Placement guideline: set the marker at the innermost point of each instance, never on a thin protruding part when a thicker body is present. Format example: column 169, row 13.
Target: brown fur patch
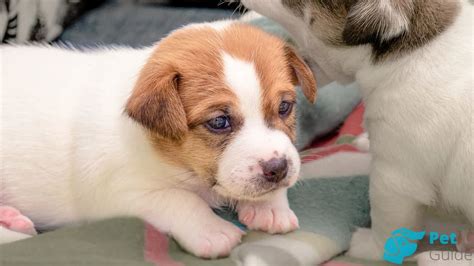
column 155, row 102
column 200, row 93
column 326, row 18
column 427, row 19
column 329, row 21
column 430, row 18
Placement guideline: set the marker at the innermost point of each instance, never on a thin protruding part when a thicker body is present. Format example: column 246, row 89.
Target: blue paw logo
column 399, row 245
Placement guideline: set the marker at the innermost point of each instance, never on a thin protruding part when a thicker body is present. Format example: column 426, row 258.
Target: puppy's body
column 56, row 129
column 125, row 132
column 413, row 61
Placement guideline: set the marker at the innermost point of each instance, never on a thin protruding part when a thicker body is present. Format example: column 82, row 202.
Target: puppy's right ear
column 155, row 102
column 302, row 74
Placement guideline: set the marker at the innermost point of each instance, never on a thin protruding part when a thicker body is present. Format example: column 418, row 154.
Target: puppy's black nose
column 275, row 169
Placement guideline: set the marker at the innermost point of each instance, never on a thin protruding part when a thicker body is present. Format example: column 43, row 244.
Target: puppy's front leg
column 273, row 215
column 189, row 219
column 390, row 209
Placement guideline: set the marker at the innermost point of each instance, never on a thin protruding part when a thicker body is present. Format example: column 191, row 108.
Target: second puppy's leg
column 390, row 209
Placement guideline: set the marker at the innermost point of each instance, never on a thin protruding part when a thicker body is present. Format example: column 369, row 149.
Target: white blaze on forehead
column 243, row 80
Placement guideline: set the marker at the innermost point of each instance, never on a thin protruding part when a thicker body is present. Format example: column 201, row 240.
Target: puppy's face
column 220, row 102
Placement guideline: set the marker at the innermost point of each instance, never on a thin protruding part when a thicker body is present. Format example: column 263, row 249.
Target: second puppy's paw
column 363, row 245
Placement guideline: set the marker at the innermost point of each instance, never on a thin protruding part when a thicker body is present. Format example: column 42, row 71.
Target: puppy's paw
column 363, row 245
column 268, row 218
column 210, row 240
column 13, row 220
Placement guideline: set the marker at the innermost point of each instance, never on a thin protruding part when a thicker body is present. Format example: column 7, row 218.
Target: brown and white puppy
column 204, row 118
column 413, row 61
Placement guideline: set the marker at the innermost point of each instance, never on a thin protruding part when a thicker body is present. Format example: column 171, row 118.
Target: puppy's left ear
column 302, row 74
column 376, row 21
column 155, row 102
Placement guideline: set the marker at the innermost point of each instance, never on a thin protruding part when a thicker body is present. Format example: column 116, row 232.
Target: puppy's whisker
column 238, row 8
column 235, row 10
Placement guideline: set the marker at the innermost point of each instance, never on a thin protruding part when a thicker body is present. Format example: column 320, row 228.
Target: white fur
column 337, row 165
column 419, row 117
column 70, row 154
column 243, row 80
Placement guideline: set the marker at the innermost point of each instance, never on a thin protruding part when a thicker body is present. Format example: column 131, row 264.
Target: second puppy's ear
column 376, row 21
column 155, row 102
column 302, row 74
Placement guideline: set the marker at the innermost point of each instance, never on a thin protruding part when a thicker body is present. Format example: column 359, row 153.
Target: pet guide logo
column 403, row 244
column 399, row 245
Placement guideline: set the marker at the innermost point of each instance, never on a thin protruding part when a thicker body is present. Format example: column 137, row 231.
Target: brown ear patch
column 392, row 27
column 374, row 21
column 155, row 102
column 302, row 74
column 412, row 24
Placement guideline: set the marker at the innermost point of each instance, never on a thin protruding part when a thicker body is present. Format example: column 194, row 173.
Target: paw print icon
column 401, row 244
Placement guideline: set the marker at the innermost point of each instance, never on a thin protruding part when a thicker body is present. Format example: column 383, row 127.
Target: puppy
column 413, row 60
column 204, row 118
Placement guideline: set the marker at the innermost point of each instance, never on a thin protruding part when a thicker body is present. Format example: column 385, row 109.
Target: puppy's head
column 391, row 27
column 219, row 100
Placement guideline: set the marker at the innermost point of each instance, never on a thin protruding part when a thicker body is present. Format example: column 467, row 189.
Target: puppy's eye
column 285, row 108
column 220, row 124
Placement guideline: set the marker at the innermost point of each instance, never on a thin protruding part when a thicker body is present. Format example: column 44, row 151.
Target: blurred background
column 92, row 23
